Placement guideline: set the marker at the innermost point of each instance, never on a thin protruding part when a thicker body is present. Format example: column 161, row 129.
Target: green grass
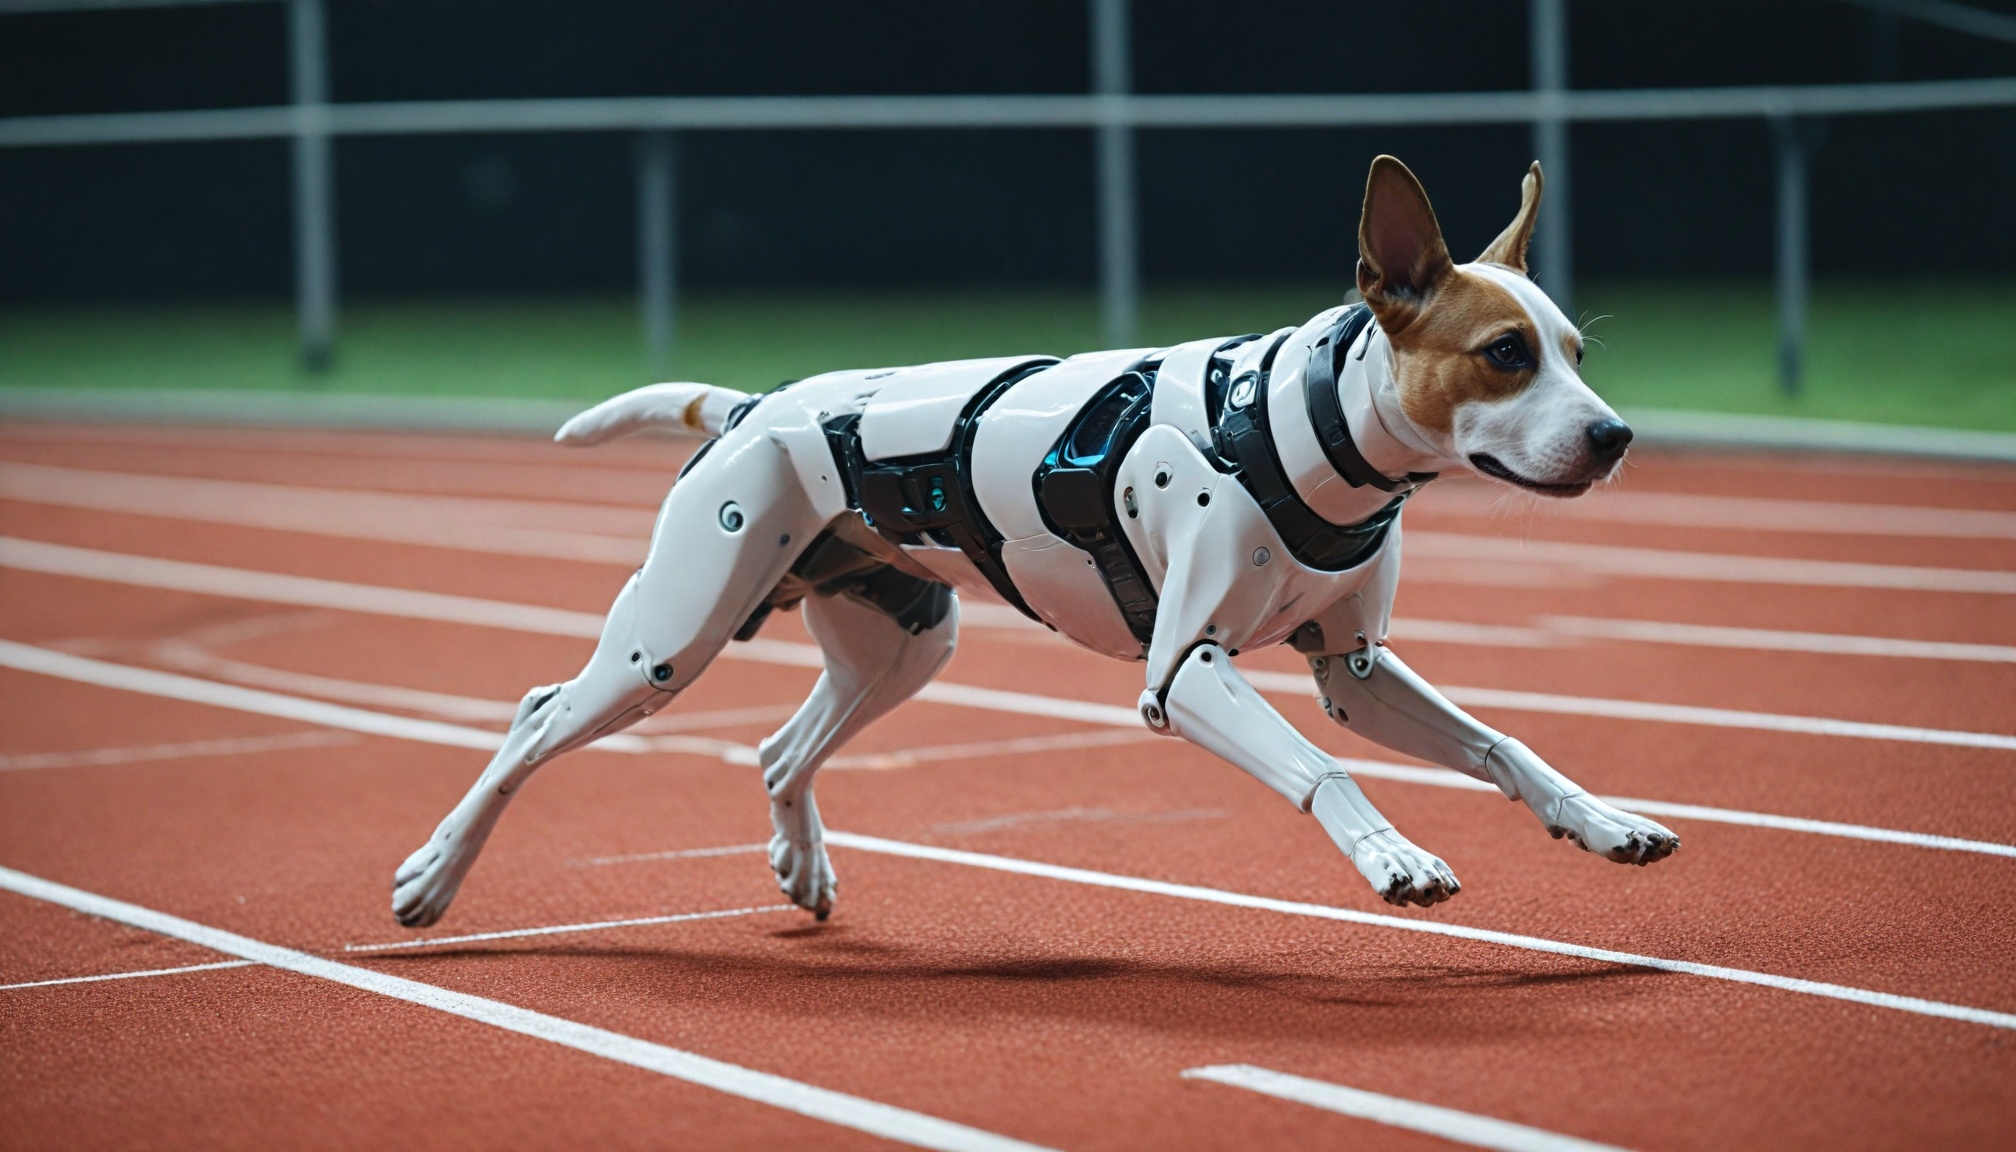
column 1916, row 355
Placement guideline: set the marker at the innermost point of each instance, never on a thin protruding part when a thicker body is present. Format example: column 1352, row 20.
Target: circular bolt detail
column 731, row 516
column 1203, row 499
column 1161, row 479
column 1261, row 556
column 661, row 673
column 636, row 656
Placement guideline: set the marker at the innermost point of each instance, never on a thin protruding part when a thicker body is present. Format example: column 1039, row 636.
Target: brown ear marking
column 1401, row 254
column 1509, row 248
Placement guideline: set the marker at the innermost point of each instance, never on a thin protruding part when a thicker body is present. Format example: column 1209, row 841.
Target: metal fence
column 1110, row 111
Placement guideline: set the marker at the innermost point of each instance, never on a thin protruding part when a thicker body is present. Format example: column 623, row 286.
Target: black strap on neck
column 1326, row 410
column 1311, row 539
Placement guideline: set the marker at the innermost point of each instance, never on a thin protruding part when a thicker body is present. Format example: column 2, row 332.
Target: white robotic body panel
column 914, row 410
column 1368, row 369
column 1162, row 449
column 1366, row 609
column 1179, row 390
column 1023, row 425
column 1060, row 584
column 804, row 442
column 731, row 517
column 951, row 566
column 1223, row 574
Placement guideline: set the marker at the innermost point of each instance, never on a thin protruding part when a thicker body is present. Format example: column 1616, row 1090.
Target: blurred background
column 1765, row 206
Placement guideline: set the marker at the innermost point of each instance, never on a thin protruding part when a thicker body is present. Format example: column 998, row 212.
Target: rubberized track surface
column 1053, row 1007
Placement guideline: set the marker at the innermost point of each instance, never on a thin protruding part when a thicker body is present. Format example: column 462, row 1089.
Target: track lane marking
column 206, row 579
column 1765, row 639
column 1089, row 877
column 1444, row 778
column 1396, row 1112
column 565, row 929
column 1668, row 564
column 838, row 1108
column 1616, row 505
column 131, row 975
column 680, row 854
column 188, row 749
column 1611, row 709
column 1753, row 513
column 553, row 530
column 467, row 523
column 426, row 730
column 175, row 686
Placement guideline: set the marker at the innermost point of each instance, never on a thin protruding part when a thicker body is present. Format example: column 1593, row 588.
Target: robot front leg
column 1375, row 694
column 1209, row 704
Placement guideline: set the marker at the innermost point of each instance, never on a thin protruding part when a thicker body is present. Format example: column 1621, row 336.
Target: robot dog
column 1172, row 506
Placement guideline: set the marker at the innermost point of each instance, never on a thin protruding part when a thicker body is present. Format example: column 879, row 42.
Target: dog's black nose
column 1609, row 438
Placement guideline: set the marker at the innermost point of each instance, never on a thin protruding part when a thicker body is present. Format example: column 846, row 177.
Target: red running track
column 1045, row 1010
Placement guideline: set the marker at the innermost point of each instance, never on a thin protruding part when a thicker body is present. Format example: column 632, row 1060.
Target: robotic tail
column 696, row 409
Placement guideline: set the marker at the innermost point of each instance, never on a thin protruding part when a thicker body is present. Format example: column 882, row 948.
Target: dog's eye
column 1508, row 351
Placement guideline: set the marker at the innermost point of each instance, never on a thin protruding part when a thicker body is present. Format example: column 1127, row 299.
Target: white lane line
column 1863, row 996
column 178, row 687
column 186, row 750
column 1691, row 510
column 1670, row 564
column 612, row 534
column 680, row 854
column 598, row 533
column 191, row 657
column 1604, row 707
column 131, row 975
column 430, row 730
column 1764, row 639
column 303, row 591
column 564, row 929
column 885, row 1120
column 1479, row 635
column 979, row 749
column 1444, row 778
column 1396, row 1112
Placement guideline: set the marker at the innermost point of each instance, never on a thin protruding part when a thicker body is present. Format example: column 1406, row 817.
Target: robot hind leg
column 873, row 663
column 723, row 539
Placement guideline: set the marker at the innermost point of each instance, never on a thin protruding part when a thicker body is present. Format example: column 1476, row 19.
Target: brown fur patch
column 1438, row 349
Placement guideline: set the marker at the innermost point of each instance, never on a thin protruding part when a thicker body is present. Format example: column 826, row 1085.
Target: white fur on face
column 1540, row 434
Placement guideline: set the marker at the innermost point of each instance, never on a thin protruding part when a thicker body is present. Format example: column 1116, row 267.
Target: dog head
column 1486, row 367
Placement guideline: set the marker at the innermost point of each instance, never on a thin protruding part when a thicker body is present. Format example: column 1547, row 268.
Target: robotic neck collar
column 1354, row 407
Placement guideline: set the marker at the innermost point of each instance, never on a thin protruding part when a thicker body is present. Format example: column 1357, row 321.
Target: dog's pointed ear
column 1401, row 254
column 1509, row 248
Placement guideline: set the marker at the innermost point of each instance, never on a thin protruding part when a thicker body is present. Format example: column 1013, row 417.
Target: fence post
column 1119, row 240
column 1794, row 271
column 1554, row 238
column 657, row 247
column 314, row 186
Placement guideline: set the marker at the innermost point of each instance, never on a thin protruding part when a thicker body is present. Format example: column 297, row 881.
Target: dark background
column 1918, row 195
